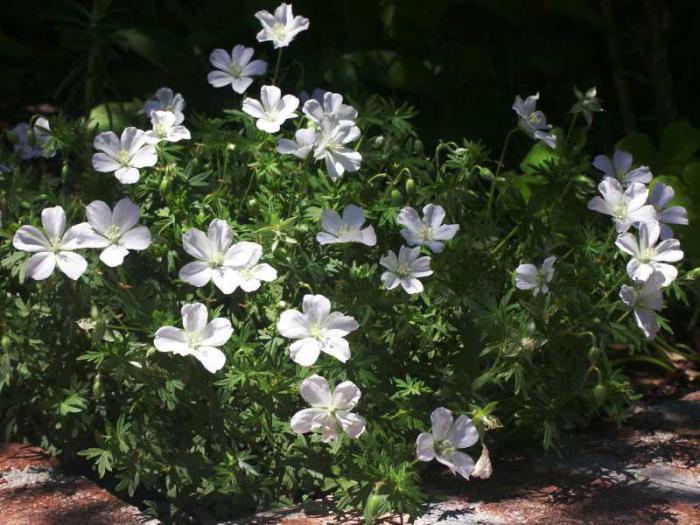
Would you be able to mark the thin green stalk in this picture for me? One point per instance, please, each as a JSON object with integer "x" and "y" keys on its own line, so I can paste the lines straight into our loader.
{"x": 277, "y": 66}
{"x": 498, "y": 170}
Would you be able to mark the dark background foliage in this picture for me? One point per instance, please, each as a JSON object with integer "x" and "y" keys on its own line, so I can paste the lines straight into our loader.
{"x": 459, "y": 62}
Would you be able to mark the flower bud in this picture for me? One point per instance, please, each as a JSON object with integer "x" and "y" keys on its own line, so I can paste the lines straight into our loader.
{"x": 594, "y": 354}
{"x": 6, "y": 343}
{"x": 164, "y": 184}
{"x": 396, "y": 197}
{"x": 600, "y": 393}
{"x": 410, "y": 185}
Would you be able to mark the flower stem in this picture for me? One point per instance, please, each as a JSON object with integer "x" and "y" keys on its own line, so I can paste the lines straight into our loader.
{"x": 498, "y": 170}
{"x": 277, "y": 66}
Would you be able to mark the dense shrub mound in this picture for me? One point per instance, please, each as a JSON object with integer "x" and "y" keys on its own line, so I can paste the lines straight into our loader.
{"x": 278, "y": 301}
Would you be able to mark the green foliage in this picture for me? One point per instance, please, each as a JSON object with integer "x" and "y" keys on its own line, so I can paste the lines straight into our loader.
{"x": 78, "y": 370}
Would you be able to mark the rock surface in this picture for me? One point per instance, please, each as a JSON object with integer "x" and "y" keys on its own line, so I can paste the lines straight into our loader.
{"x": 34, "y": 491}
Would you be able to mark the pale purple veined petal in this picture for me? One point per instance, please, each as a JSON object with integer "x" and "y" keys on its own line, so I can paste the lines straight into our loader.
{"x": 305, "y": 352}
{"x": 441, "y": 419}
{"x": 71, "y": 264}
{"x": 196, "y": 273}
{"x": 352, "y": 424}
{"x": 40, "y": 266}
{"x": 30, "y": 239}
{"x": 316, "y": 392}
{"x": 194, "y": 317}
{"x": 425, "y": 447}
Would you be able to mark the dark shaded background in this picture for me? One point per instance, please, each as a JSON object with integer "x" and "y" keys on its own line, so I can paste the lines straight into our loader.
{"x": 459, "y": 62}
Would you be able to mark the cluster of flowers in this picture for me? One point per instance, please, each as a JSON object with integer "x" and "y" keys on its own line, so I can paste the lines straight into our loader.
{"x": 630, "y": 203}
{"x": 624, "y": 196}
{"x": 315, "y": 330}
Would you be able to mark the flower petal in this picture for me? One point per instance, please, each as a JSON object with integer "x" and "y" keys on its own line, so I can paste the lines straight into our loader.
{"x": 30, "y": 239}
{"x": 171, "y": 339}
{"x": 463, "y": 433}
{"x": 293, "y": 325}
{"x": 425, "y": 447}
{"x": 194, "y": 317}
{"x": 113, "y": 255}
{"x": 40, "y": 265}
{"x": 353, "y": 424}
{"x": 316, "y": 392}
{"x": 212, "y": 358}
{"x": 71, "y": 264}
{"x": 441, "y": 419}
{"x": 305, "y": 352}
{"x": 346, "y": 396}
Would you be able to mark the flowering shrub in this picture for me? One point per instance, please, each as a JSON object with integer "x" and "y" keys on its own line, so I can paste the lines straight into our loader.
{"x": 348, "y": 320}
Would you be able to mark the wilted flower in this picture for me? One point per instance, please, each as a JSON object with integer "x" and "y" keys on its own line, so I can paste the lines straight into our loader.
{"x": 52, "y": 246}
{"x": 620, "y": 168}
{"x": 301, "y": 146}
{"x": 660, "y": 196}
{"x": 316, "y": 94}
{"x": 123, "y": 156}
{"x": 30, "y": 145}
{"x": 532, "y": 121}
{"x": 282, "y": 27}
{"x": 235, "y": 69}
{"x": 626, "y": 207}
{"x": 243, "y": 258}
{"x": 331, "y": 105}
{"x": 272, "y": 109}
{"x": 645, "y": 301}
{"x": 405, "y": 269}
{"x": 166, "y": 100}
{"x": 213, "y": 253}
{"x": 529, "y": 277}
{"x": 587, "y": 103}
{"x": 346, "y": 229}
{"x": 316, "y": 330}
{"x": 115, "y": 231}
{"x": 165, "y": 128}
{"x": 199, "y": 338}
{"x": 330, "y": 411}
{"x": 447, "y": 436}
{"x": 330, "y": 147}
{"x": 428, "y": 231}
{"x": 648, "y": 256}
{"x": 483, "y": 468}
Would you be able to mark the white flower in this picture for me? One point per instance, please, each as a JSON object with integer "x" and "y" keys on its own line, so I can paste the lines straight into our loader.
{"x": 529, "y": 277}
{"x": 620, "y": 168}
{"x": 301, "y": 146}
{"x": 30, "y": 145}
{"x": 165, "y": 128}
{"x": 198, "y": 338}
{"x": 428, "y": 231}
{"x": 331, "y": 105}
{"x": 405, "y": 269}
{"x": 235, "y": 69}
{"x": 282, "y": 27}
{"x": 587, "y": 103}
{"x": 483, "y": 468}
{"x": 645, "y": 301}
{"x": 533, "y": 122}
{"x": 345, "y": 229}
{"x": 330, "y": 411}
{"x": 52, "y": 246}
{"x": 272, "y": 109}
{"x": 166, "y": 100}
{"x": 243, "y": 258}
{"x": 212, "y": 251}
{"x": 317, "y": 330}
{"x": 115, "y": 231}
{"x": 447, "y": 436}
{"x": 123, "y": 156}
{"x": 626, "y": 207}
{"x": 330, "y": 147}
{"x": 660, "y": 196}
{"x": 648, "y": 256}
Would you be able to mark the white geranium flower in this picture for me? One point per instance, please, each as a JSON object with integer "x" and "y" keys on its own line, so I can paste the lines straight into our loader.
{"x": 235, "y": 69}
{"x": 282, "y": 27}
{"x": 331, "y": 106}
{"x": 532, "y": 121}
{"x": 626, "y": 207}
{"x": 123, "y": 156}
{"x": 199, "y": 338}
{"x": 645, "y": 301}
{"x": 447, "y": 437}
{"x": 30, "y": 145}
{"x": 301, "y": 146}
{"x": 54, "y": 246}
{"x": 331, "y": 147}
{"x": 620, "y": 168}
{"x": 316, "y": 330}
{"x": 165, "y": 129}
{"x": 405, "y": 269}
{"x": 330, "y": 412}
{"x": 428, "y": 231}
{"x": 166, "y": 100}
{"x": 243, "y": 258}
{"x": 272, "y": 109}
{"x": 115, "y": 231}
{"x": 346, "y": 229}
{"x": 212, "y": 251}
{"x": 660, "y": 196}
{"x": 529, "y": 277}
{"x": 648, "y": 256}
